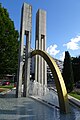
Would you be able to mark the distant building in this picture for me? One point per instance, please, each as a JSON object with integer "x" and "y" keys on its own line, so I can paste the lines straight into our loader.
{"x": 31, "y": 65}
{"x": 50, "y": 77}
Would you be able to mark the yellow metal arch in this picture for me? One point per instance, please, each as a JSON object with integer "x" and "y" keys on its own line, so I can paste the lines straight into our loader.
{"x": 60, "y": 86}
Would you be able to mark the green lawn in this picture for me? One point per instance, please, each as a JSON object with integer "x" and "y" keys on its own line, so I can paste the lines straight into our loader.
{"x": 7, "y": 86}
{"x": 74, "y": 94}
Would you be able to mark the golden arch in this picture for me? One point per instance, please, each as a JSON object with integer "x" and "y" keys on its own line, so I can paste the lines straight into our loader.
{"x": 60, "y": 86}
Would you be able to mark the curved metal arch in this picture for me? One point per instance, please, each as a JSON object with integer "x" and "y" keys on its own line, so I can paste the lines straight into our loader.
{"x": 59, "y": 82}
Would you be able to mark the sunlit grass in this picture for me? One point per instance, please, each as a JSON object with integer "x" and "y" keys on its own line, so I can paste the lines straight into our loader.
{"x": 7, "y": 86}
{"x": 75, "y": 94}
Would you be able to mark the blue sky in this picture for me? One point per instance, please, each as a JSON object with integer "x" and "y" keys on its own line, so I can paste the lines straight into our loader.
{"x": 63, "y": 23}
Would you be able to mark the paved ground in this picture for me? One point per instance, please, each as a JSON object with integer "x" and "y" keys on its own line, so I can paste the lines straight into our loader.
{"x": 12, "y": 108}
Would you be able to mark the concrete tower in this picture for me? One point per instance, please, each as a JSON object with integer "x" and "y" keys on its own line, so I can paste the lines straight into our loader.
{"x": 40, "y": 43}
{"x": 26, "y": 26}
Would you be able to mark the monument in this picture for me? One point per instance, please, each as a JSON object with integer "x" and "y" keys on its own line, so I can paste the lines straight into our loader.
{"x": 40, "y": 44}
{"x": 26, "y": 28}
{"x": 40, "y": 67}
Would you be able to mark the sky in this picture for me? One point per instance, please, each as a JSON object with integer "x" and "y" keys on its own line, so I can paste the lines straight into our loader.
{"x": 63, "y": 24}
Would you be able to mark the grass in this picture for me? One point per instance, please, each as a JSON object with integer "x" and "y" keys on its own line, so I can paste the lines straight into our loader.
{"x": 7, "y": 86}
{"x": 75, "y": 94}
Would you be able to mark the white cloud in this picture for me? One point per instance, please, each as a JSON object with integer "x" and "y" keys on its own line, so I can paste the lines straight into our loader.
{"x": 62, "y": 55}
{"x": 74, "y": 43}
{"x": 52, "y": 50}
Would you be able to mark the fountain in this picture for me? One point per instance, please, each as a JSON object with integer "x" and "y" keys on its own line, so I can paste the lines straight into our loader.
{"x": 38, "y": 87}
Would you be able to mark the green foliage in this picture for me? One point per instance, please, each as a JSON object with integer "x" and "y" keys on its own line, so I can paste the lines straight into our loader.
{"x": 76, "y": 68}
{"x": 8, "y": 44}
{"x": 68, "y": 72}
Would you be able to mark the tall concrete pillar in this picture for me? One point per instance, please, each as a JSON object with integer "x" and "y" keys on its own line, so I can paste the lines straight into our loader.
{"x": 26, "y": 26}
{"x": 40, "y": 64}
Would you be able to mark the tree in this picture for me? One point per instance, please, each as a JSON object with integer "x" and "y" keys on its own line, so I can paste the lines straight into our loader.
{"x": 68, "y": 72}
{"x": 8, "y": 44}
{"x": 76, "y": 68}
